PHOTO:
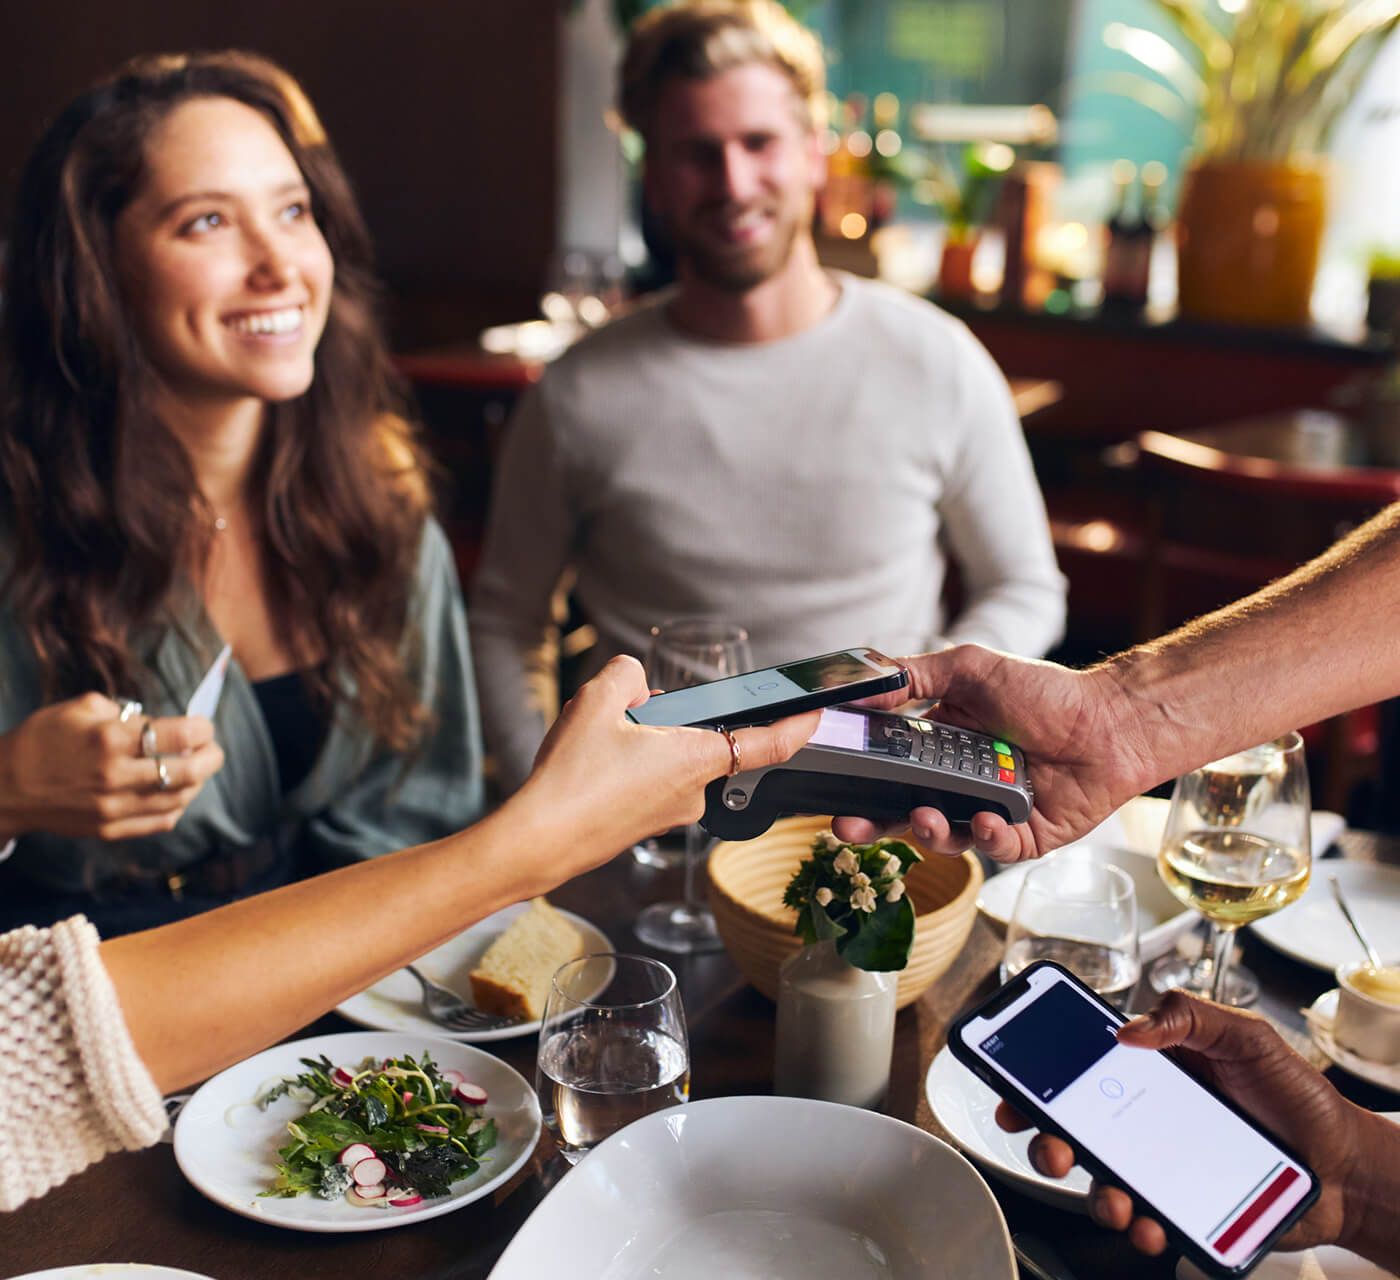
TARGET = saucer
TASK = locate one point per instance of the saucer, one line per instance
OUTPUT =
(1321, 1016)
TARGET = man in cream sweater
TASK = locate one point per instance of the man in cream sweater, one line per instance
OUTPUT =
(791, 449)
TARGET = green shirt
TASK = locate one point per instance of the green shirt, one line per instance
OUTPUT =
(358, 801)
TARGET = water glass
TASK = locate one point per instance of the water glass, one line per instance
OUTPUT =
(1082, 913)
(613, 1048)
(685, 652)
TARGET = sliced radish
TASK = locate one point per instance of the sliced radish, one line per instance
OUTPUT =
(364, 1196)
(341, 1078)
(368, 1172)
(405, 1199)
(472, 1094)
(453, 1076)
(354, 1153)
(433, 1128)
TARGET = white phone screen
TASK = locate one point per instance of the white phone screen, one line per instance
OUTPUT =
(1219, 1180)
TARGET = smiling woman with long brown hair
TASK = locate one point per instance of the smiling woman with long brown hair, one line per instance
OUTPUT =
(201, 446)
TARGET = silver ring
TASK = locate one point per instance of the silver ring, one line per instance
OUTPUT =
(130, 709)
(736, 755)
(162, 775)
(148, 739)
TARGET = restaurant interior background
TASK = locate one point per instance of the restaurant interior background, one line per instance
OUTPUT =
(1186, 460)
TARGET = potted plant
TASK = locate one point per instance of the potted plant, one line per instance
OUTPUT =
(966, 194)
(1270, 80)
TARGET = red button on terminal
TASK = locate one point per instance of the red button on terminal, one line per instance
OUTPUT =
(1008, 775)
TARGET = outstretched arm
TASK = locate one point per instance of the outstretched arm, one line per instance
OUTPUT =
(1315, 643)
(205, 992)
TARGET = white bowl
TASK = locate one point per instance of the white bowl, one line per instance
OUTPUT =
(756, 1188)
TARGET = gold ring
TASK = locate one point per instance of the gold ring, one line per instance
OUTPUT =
(162, 775)
(148, 739)
(736, 755)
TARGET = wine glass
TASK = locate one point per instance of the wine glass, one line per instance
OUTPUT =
(613, 1048)
(1077, 910)
(686, 652)
(1237, 847)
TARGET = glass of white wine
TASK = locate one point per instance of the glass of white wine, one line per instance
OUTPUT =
(1081, 912)
(613, 1048)
(1238, 845)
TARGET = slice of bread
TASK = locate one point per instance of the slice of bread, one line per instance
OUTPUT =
(512, 977)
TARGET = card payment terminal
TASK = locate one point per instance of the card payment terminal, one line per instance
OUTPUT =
(874, 764)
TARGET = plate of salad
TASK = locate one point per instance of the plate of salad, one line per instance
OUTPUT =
(357, 1132)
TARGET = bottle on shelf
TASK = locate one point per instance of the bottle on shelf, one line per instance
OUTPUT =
(846, 202)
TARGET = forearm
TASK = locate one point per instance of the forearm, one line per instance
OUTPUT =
(205, 992)
(1372, 1226)
(1318, 642)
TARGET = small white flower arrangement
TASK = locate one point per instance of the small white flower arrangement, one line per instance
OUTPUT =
(854, 895)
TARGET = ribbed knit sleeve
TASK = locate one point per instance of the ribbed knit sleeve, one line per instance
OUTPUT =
(78, 1089)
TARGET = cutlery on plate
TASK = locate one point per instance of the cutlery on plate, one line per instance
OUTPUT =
(449, 1010)
(1371, 953)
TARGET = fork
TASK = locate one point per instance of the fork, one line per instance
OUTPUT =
(449, 1009)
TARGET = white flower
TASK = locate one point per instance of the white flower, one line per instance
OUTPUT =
(860, 880)
(863, 899)
(846, 863)
(828, 842)
(895, 891)
(893, 866)
(823, 896)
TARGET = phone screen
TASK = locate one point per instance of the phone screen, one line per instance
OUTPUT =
(1217, 1179)
(748, 697)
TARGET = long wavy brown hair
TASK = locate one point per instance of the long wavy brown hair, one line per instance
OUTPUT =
(104, 515)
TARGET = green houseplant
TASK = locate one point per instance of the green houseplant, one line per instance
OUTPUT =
(1267, 81)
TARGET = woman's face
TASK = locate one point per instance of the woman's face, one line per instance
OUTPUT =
(226, 272)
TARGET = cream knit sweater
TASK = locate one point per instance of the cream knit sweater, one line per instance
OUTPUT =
(84, 1091)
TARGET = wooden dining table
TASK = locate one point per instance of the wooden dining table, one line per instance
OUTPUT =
(137, 1206)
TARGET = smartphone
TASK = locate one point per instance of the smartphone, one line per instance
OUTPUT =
(1222, 1187)
(758, 697)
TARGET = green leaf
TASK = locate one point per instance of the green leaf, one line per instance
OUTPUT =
(823, 927)
(883, 941)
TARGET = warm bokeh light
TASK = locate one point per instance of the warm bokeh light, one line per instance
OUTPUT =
(858, 143)
(888, 143)
(853, 226)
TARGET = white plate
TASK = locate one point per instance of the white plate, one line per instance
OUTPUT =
(1321, 1016)
(752, 1188)
(966, 1108)
(227, 1148)
(1312, 929)
(123, 1270)
(395, 1003)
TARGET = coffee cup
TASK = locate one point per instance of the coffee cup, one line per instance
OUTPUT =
(1368, 1011)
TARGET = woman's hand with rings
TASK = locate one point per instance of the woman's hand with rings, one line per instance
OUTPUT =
(90, 766)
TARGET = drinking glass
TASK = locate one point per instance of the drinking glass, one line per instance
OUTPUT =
(613, 1048)
(1082, 913)
(1237, 847)
(685, 652)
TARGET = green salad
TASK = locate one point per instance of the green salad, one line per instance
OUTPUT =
(383, 1134)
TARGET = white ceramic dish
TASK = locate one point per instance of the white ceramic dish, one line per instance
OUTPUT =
(1321, 1016)
(227, 1148)
(966, 1108)
(1313, 930)
(120, 1270)
(752, 1188)
(395, 1003)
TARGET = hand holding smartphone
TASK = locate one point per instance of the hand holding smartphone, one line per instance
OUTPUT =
(760, 697)
(1223, 1188)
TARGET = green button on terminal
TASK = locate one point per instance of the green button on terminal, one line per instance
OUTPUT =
(1002, 748)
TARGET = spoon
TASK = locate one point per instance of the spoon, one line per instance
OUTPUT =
(1371, 953)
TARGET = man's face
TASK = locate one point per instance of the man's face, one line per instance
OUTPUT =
(732, 169)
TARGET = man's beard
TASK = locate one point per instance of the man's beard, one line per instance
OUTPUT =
(735, 272)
